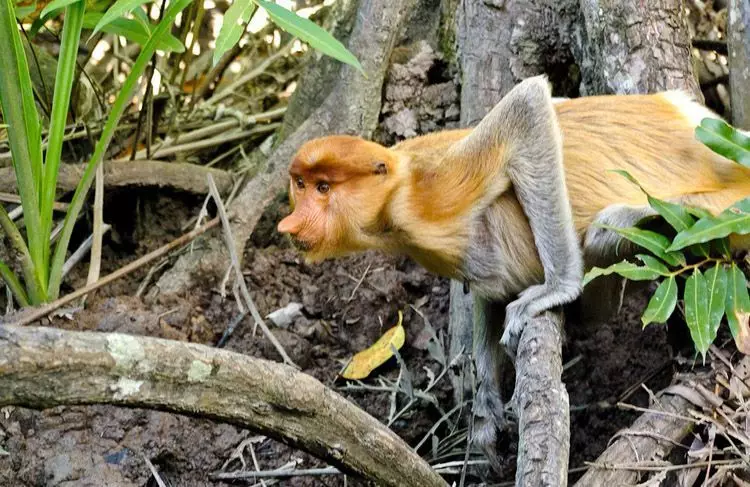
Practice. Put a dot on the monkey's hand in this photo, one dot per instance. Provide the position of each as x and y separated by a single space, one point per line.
530 304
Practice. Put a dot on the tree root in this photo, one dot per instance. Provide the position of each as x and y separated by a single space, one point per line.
541 402
180 176
46 367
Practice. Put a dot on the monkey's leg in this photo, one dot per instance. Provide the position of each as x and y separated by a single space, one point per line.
488 357
601 248
522 130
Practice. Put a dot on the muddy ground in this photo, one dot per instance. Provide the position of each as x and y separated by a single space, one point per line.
101 445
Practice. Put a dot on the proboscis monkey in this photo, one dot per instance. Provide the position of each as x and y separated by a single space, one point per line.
508 206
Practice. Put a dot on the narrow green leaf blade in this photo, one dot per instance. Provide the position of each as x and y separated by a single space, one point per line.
625 269
696 311
738 308
309 32
235 19
116 11
662 303
716 282
654 242
733 220
55 5
133 31
725 140
653 263
15 286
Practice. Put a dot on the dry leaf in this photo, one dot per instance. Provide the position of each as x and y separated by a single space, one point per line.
363 363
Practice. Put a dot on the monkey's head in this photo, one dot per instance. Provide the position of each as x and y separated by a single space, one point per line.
339 190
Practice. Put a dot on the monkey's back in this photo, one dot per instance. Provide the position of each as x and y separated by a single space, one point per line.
651 137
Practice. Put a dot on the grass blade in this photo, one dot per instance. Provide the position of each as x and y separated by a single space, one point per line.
64 79
15 286
24 132
121 102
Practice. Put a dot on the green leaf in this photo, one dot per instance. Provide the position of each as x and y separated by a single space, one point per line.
626 269
738 308
716 282
55 5
309 32
676 215
735 219
662 303
725 140
134 31
654 242
235 19
698 212
116 11
697 312
653 263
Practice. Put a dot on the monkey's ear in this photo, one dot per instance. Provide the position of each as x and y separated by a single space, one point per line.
380 168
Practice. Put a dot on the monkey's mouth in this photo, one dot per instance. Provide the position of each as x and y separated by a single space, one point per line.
301 245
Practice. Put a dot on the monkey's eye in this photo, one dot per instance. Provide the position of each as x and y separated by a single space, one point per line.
323 187
300 183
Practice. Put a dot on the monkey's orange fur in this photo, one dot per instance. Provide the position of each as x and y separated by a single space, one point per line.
423 201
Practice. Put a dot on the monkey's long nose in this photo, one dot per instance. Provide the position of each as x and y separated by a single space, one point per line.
290 224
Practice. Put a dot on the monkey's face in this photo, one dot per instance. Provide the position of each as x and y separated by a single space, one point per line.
338 189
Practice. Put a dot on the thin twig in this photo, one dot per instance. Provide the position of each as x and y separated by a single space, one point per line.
250 75
81 251
229 239
278 473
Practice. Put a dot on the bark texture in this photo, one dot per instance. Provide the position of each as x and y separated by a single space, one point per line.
180 176
739 62
45 367
634 46
652 437
352 107
542 404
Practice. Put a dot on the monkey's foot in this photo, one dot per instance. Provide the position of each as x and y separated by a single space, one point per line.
530 304
489 419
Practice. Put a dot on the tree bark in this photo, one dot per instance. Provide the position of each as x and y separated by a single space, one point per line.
634 46
489 54
46 367
542 404
351 107
739 62
651 437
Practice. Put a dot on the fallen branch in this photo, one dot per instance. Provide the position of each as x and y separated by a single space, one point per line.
542 405
180 176
651 437
46 367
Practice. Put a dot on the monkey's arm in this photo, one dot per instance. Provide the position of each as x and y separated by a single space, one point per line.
520 141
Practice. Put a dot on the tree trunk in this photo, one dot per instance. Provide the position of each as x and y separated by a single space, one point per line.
635 46
739 62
